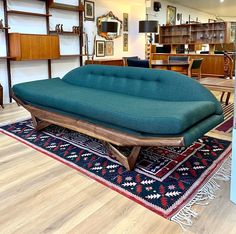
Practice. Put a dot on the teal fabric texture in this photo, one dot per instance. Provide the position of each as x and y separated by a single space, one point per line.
142 82
144 101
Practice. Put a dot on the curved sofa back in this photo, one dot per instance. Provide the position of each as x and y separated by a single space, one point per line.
141 82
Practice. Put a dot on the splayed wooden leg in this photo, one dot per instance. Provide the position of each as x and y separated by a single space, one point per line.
39 124
127 161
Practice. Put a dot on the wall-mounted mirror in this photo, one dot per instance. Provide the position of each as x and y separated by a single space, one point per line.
109 17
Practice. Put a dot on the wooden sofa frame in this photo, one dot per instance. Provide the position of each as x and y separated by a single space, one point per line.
43 118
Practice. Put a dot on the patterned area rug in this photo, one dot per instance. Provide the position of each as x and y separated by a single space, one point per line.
227 125
165 178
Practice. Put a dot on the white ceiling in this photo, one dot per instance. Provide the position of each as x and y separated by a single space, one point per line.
214 7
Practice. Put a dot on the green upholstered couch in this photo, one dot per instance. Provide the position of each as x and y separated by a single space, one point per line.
137 102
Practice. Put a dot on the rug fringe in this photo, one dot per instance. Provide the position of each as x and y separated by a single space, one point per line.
207 192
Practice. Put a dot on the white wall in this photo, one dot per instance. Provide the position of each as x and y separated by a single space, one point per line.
35 70
232 19
135 11
161 15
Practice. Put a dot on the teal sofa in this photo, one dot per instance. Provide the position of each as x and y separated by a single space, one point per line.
124 106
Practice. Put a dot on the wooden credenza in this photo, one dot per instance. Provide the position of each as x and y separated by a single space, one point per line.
212 65
113 62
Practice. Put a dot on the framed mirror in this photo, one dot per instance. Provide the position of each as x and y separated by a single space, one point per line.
109 17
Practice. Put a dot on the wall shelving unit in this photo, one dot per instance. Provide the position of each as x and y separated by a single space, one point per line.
200 33
49 4
79 9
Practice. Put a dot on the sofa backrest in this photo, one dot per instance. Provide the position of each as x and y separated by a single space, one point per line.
141 82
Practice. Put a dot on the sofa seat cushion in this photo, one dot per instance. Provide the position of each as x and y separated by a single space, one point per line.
135 113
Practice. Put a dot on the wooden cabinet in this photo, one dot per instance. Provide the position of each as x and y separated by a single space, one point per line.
33 46
206 33
114 62
1 96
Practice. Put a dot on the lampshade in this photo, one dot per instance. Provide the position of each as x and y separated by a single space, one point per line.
148 26
109 26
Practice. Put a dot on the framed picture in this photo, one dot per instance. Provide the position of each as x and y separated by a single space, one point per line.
171 15
125 42
88 10
125 22
100 48
109 48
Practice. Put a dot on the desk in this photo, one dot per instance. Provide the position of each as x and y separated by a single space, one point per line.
218 84
178 66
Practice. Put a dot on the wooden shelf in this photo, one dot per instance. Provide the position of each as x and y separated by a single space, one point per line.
208 30
64 32
207 33
4 28
180 35
72 55
27 13
66 7
5 57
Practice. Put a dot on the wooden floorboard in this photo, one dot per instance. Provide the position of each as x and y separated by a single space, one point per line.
41 195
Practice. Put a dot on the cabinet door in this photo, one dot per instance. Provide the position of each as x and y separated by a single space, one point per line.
39 47
34 47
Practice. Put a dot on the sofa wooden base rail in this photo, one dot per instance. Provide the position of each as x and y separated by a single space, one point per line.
43 118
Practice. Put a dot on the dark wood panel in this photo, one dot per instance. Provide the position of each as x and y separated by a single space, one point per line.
114 62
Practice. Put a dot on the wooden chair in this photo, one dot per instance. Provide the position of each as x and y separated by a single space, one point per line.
195 65
179 59
228 74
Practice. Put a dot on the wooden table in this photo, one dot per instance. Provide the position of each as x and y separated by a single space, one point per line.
178 66
218 84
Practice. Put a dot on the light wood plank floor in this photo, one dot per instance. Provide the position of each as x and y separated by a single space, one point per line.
40 195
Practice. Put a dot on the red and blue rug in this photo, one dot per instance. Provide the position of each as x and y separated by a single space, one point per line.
227 125
165 178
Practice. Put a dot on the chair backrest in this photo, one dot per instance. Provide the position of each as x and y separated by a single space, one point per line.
196 63
138 63
125 59
218 52
178 58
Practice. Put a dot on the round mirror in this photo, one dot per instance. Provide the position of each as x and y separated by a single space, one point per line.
109 26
